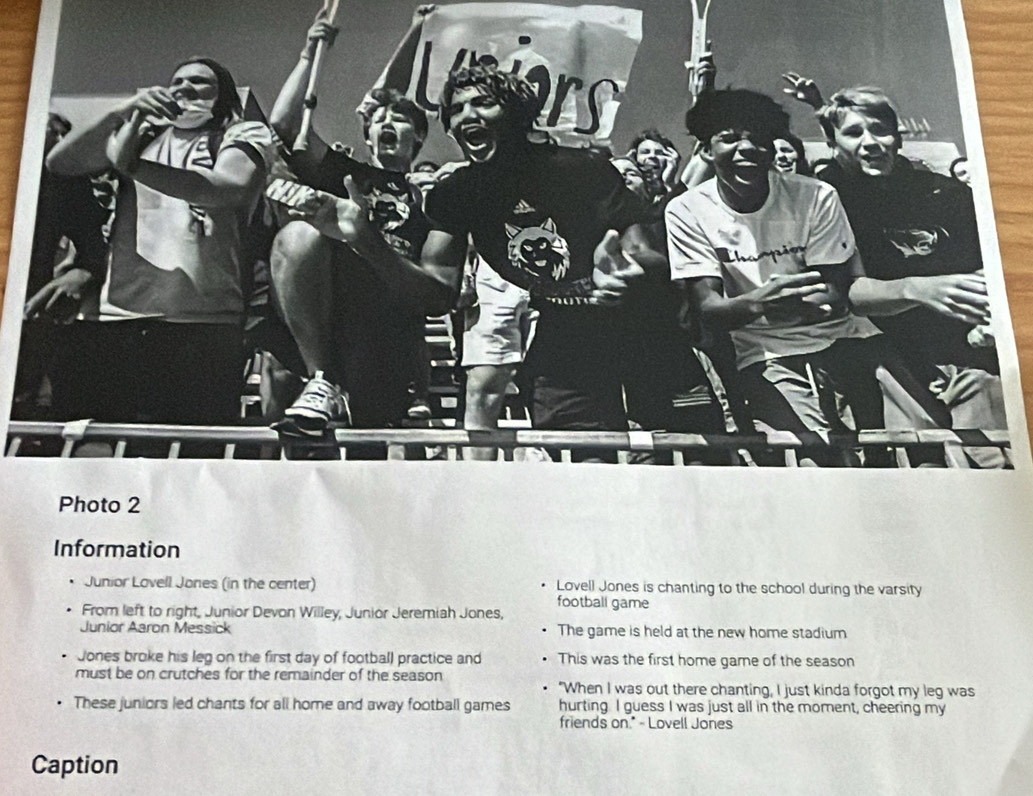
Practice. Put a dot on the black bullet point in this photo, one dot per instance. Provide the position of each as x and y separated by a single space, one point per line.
65 656
544 659
59 701
68 610
543 629
545 688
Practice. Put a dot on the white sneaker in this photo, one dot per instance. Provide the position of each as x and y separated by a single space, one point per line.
320 403
419 409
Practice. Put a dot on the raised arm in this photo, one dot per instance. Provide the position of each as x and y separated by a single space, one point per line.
398 72
803 89
83 150
236 179
287 111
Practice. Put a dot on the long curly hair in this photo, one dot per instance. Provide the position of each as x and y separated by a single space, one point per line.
517 97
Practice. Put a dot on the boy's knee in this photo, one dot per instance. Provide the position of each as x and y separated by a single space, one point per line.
296 247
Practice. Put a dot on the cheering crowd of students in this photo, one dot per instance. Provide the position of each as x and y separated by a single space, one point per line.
744 293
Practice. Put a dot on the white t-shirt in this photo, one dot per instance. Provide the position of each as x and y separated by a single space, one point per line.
173 260
801 224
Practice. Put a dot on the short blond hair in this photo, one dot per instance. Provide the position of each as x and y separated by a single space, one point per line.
866 100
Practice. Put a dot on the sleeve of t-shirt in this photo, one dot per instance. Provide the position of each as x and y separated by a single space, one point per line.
688 249
443 206
830 240
328 175
255 139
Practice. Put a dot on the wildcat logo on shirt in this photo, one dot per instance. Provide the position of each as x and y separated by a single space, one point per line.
387 209
917 242
539 250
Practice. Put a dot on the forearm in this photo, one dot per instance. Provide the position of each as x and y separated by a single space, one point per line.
431 290
82 151
868 296
204 189
398 71
725 314
285 116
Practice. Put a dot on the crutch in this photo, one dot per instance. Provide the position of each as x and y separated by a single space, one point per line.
301 142
699 47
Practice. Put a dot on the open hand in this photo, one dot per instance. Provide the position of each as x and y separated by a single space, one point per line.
963 385
123 147
793 298
669 172
803 89
614 271
155 102
959 296
346 220
60 298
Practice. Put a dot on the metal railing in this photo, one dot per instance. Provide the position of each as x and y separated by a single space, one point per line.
26 438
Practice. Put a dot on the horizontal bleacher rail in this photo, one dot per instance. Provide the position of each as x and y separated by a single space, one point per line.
450 442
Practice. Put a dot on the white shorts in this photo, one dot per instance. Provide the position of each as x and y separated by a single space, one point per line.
500 326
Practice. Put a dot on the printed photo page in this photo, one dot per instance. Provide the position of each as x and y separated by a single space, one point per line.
510 398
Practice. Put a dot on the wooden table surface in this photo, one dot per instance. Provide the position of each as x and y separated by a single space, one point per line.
1000 34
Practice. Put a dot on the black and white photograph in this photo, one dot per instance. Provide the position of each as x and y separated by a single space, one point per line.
688 232
462 398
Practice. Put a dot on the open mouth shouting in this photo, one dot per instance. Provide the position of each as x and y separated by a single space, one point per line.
478 142
388 138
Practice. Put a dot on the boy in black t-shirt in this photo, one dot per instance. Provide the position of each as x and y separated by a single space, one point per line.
357 311
557 222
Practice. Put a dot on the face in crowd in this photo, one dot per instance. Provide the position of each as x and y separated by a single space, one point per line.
786 156
633 178
477 123
195 87
57 128
649 155
863 144
392 138
741 161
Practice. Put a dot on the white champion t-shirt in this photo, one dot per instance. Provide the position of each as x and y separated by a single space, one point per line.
802 224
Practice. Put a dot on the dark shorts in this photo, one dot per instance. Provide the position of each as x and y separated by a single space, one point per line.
380 341
811 394
665 385
579 402
149 371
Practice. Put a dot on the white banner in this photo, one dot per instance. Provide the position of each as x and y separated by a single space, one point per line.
578 58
